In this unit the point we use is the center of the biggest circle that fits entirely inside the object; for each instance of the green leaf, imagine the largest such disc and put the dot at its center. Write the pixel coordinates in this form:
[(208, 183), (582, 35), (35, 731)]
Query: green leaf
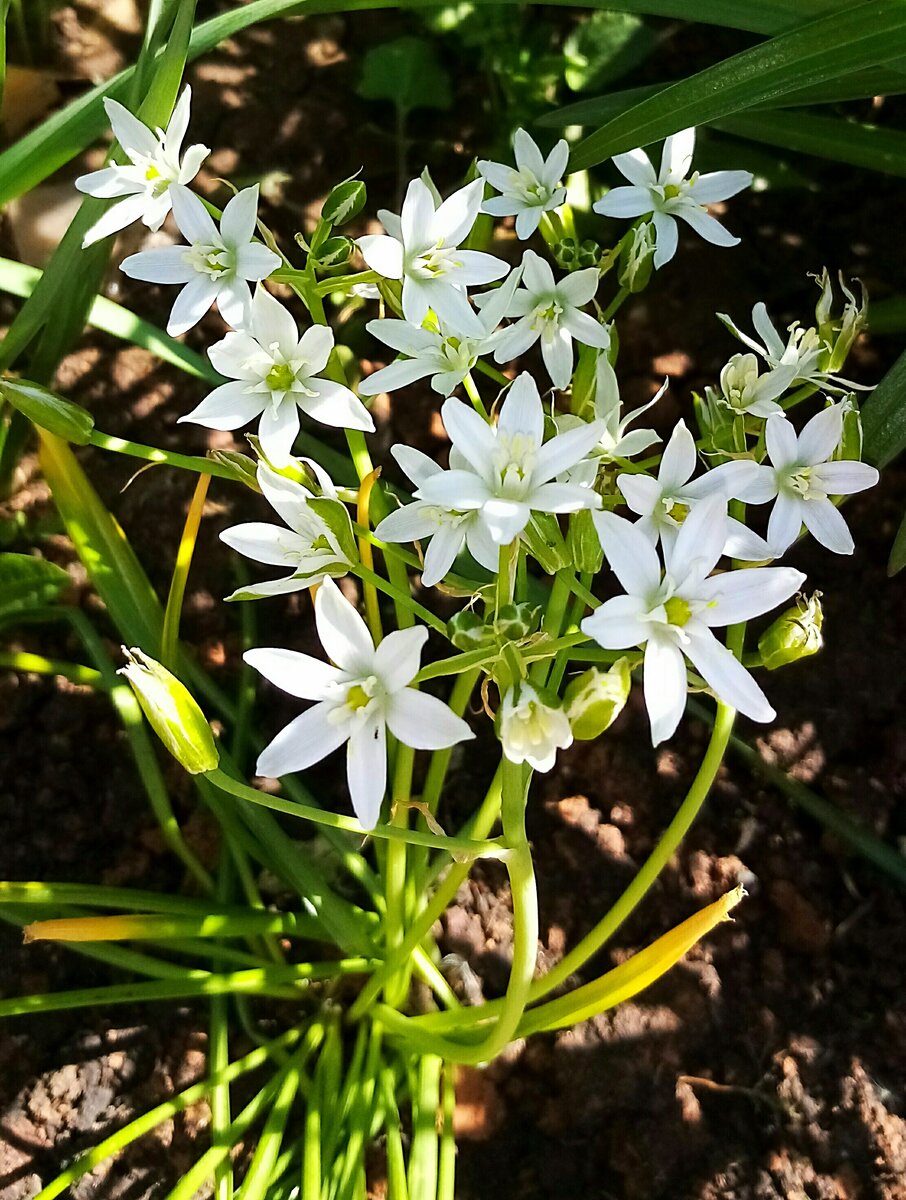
[(605, 47), (47, 409), (27, 582), (884, 417), (822, 50), (406, 72), (850, 142), (897, 560)]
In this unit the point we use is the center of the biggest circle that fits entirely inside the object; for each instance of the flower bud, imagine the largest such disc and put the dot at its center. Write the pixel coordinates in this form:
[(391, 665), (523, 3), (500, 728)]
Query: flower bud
[(583, 543), (637, 258), (334, 251), (532, 726), (795, 634), (839, 333), (172, 712), (345, 201), (242, 469), (595, 699), (48, 410)]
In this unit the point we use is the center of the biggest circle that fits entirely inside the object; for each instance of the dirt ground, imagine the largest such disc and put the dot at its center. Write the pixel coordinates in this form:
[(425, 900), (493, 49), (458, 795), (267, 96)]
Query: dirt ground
[(770, 1064)]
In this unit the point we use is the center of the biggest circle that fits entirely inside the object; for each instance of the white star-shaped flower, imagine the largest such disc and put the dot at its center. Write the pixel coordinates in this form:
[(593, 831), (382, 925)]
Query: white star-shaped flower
[(154, 165), (275, 373), (673, 613), (746, 391), (528, 189), (217, 265), (664, 504), (551, 311), (358, 698), (510, 470), (802, 479), (531, 729), (448, 528), (669, 194), (802, 353), (316, 540), (444, 353), (421, 247)]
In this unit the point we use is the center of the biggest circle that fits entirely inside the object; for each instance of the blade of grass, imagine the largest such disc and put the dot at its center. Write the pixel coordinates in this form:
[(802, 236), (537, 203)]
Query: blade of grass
[(839, 43)]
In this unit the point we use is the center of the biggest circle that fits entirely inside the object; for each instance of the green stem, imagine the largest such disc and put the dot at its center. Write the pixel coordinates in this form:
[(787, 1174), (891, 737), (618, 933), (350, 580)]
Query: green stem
[(401, 598), (455, 846), (187, 462)]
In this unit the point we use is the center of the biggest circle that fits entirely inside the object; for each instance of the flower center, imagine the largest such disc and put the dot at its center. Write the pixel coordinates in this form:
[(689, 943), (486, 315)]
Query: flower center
[(675, 511), (432, 264), (215, 261), (678, 611), (280, 377), (515, 460), (799, 481), (547, 314)]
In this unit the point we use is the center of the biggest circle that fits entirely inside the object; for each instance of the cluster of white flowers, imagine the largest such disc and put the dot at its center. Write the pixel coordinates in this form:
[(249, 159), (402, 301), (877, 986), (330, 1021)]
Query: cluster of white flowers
[(514, 467)]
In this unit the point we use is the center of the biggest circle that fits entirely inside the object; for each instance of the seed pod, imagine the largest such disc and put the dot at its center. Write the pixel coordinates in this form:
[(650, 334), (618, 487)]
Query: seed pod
[(795, 634)]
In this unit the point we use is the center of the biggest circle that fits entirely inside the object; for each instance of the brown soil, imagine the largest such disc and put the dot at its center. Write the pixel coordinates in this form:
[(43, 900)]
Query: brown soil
[(770, 1063)]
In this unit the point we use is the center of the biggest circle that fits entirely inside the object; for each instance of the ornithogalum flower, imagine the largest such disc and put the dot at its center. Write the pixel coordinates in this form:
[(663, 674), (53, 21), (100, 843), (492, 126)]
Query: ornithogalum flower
[(275, 373), (746, 391), (665, 503), (446, 354), (802, 479), (669, 194), (805, 353), (673, 613), (510, 470), (154, 165), (551, 311), (215, 265), (316, 540), (448, 528), (529, 189), (531, 728), (421, 247), (617, 440), (358, 699)]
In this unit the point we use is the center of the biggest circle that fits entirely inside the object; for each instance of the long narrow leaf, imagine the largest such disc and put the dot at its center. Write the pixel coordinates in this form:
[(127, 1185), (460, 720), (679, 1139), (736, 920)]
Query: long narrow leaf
[(821, 50), (850, 142), (884, 416)]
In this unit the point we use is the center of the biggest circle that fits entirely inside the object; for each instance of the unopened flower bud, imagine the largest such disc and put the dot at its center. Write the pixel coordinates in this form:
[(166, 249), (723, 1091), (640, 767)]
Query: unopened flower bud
[(583, 543), (795, 634), (345, 202), (172, 712), (637, 258), (532, 726), (595, 699), (48, 410), (335, 251)]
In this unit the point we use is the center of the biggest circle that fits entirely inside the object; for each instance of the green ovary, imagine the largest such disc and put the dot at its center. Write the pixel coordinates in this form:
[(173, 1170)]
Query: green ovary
[(678, 611), (280, 377)]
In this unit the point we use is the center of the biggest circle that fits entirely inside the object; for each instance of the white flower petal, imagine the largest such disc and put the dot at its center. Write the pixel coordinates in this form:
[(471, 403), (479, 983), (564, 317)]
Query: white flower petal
[(784, 523), (505, 519), (566, 449), (707, 227), (820, 436), (665, 688), (398, 657), (129, 131), (741, 595), (294, 673), (719, 185), (382, 254), (418, 466), (557, 353), (632, 557), (303, 742), (424, 722), (335, 404), (679, 459), (700, 541), (191, 304), (521, 412), (446, 543), (641, 492), (229, 406), (272, 322), (366, 771), (454, 219), (470, 433), (625, 202), (725, 674), (343, 633), (845, 477), (265, 543), (457, 491), (827, 526), (617, 624), (278, 430), (780, 438), (237, 225), (635, 165), (192, 218), (666, 238)]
